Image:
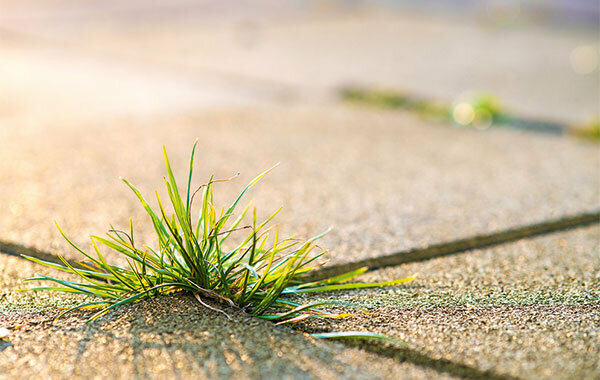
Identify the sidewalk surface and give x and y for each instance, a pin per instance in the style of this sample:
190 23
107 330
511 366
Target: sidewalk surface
91 94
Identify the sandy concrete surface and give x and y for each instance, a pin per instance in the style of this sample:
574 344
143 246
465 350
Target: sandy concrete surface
394 182
170 337
91 92
528 309
306 52
561 268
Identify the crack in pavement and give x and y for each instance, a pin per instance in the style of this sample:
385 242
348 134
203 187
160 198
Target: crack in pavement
18 250
4 345
462 245
393 259
447 248
403 354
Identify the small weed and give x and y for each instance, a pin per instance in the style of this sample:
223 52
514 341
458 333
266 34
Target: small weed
256 274
476 110
590 131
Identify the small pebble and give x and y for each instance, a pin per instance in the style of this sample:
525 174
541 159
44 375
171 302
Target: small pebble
4 332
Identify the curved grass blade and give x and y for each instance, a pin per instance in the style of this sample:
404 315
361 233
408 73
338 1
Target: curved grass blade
294 311
295 319
160 229
358 335
63 268
336 279
234 204
76 287
137 296
189 184
326 288
82 306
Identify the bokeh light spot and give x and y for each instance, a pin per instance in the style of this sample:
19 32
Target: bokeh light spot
463 113
584 59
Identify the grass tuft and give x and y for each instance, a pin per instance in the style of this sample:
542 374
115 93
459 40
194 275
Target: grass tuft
589 131
257 273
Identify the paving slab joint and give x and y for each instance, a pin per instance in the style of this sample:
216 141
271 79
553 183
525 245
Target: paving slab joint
461 245
4 345
18 250
393 259
437 364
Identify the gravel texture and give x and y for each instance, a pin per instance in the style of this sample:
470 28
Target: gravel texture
169 337
528 309
528 342
562 268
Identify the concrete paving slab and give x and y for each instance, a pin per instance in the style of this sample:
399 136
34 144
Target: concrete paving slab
42 82
169 337
13 301
314 51
388 182
385 181
528 309
524 342
562 268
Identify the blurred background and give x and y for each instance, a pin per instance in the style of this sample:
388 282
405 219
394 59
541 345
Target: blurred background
532 61
401 123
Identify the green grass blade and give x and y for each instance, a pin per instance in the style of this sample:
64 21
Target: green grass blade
53 265
173 183
336 279
250 185
160 229
75 246
189 184
295 311
326 288
78 288
82 306
358 335
136 297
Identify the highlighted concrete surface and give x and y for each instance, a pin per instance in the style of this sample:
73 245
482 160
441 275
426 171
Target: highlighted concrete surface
92 93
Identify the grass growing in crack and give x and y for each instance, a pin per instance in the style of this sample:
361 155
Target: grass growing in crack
256 275
589 131
477 110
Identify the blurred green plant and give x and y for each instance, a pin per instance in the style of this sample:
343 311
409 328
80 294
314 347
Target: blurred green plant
383 99
590 131
478 110
257 274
